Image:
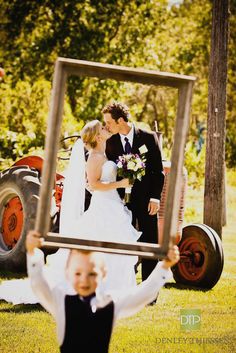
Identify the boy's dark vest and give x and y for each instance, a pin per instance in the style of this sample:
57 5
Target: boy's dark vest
85 331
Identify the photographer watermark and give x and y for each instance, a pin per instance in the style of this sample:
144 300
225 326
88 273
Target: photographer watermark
201 341
190 319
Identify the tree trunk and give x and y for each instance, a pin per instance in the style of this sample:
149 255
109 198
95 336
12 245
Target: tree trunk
215 148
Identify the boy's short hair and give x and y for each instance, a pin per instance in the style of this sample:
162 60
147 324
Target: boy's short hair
98 257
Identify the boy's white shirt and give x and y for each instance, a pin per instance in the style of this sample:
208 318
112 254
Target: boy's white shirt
126 304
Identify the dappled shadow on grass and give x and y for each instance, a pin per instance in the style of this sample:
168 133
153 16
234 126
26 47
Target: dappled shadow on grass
11 275
21 308
185 287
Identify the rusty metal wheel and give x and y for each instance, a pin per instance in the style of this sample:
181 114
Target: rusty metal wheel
201 257
19 189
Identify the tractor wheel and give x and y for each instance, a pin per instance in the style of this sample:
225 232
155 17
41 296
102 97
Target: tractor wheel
201 257
19 190
218 246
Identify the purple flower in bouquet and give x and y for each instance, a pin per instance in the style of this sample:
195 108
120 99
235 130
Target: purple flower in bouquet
131 166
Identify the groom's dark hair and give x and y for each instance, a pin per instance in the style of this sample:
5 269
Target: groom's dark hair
117 110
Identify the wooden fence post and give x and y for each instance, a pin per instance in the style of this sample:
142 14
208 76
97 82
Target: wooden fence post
215 147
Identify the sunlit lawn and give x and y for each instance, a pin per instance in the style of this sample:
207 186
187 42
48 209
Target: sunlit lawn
26 328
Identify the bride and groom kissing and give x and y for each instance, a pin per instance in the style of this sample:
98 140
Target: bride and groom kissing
107 218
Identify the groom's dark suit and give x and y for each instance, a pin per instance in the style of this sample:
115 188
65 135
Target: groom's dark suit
142 191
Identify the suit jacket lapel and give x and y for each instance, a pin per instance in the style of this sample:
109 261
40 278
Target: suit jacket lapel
136 142
118 145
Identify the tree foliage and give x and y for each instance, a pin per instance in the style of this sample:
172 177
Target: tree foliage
150 34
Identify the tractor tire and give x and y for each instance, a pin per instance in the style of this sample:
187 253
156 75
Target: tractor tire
219 247
201 257
19 190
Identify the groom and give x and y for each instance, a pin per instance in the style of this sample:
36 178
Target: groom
146 194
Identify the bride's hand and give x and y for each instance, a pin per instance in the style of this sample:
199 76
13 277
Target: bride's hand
88 188
124 183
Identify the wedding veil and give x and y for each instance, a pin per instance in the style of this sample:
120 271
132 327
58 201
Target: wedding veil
72 208
73 196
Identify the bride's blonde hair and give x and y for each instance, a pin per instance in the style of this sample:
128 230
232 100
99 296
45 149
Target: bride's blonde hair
89 133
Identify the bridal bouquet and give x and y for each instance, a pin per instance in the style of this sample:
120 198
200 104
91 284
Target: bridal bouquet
131 166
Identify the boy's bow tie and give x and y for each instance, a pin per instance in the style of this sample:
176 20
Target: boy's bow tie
88 298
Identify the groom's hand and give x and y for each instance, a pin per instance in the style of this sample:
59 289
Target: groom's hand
153 207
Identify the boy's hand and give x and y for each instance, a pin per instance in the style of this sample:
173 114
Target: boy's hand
172 257
33 240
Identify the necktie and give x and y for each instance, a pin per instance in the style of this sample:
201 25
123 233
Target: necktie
127 146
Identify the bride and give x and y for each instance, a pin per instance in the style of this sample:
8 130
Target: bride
106 218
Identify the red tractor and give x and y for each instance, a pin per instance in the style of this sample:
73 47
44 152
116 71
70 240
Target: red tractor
201 254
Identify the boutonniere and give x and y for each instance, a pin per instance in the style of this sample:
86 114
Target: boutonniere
143 149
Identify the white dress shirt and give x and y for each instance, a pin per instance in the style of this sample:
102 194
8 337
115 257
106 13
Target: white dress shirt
125 304
130 137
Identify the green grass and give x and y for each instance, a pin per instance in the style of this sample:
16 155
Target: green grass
29 329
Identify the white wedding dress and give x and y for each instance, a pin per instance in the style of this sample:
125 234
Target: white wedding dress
106 219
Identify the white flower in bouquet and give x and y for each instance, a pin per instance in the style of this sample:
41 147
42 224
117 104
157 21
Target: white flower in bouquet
119 164
131 165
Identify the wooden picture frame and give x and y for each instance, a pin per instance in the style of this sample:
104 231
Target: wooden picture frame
65 67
